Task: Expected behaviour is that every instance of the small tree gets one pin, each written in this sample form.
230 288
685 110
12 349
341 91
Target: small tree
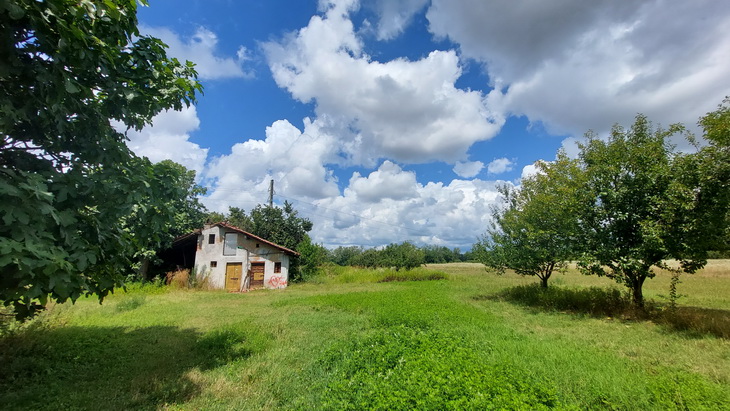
635 219
312 257
536 232
281 225
345 255
404 255
369 258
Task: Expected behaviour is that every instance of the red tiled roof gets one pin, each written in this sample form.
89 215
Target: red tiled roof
234 228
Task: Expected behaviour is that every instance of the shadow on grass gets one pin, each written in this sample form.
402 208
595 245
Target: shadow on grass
698 320
91 367
611 302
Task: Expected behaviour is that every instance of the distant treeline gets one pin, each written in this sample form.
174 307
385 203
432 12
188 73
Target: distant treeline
404 255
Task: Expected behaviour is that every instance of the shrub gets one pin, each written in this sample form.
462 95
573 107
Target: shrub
593 300
178 278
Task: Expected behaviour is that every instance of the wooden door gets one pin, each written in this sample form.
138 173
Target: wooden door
233 276
257 275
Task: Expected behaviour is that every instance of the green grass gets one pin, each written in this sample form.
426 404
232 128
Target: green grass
335 274
465 340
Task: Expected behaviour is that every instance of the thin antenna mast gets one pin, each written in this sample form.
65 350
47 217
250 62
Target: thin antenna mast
271 193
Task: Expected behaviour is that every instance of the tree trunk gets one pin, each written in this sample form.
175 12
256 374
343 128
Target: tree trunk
546 275
143 269
637 284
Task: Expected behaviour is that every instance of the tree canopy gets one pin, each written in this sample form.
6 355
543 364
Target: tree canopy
623 208
536 232
68 182
170 209
629 221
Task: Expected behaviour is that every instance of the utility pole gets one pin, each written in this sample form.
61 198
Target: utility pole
271 193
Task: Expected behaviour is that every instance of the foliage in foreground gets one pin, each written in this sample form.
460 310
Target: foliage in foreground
67 179
405 345
406 368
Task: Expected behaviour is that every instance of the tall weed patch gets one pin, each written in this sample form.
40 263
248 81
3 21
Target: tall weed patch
697 320
595 301
413 368
335 274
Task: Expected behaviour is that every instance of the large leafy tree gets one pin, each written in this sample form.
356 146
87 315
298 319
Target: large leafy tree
238 217
67 179
171 208
536 231
641 209
282 225
709 170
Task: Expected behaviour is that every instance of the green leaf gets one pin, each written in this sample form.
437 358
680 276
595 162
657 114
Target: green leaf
71 87
16 12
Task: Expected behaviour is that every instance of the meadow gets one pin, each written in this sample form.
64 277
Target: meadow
442 337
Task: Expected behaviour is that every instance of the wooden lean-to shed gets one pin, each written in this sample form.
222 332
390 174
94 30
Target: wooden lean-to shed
237 260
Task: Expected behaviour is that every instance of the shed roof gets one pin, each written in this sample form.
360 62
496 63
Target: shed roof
225 225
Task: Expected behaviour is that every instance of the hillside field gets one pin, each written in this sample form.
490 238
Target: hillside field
473 340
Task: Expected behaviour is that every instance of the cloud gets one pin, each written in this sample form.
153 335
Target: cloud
168 138
387 182
454 215
200 48
577 65
500 165
395 15
468 169
241 178
404 110
387 205
529 171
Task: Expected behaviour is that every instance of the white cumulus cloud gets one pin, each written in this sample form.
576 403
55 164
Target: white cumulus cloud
168 138
468 169
201 49
405 110
294 159
453 214
395 15
500 165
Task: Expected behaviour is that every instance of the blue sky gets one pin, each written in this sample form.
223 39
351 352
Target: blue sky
385 121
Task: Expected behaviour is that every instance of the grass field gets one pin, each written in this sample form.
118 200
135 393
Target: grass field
363 340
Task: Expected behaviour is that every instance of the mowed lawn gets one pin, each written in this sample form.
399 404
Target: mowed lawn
343 343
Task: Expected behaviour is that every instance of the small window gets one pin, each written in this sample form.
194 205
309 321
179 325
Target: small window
257 245
213 264
231 244
211 238
277 267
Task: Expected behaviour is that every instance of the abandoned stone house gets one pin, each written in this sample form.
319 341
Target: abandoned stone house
234 259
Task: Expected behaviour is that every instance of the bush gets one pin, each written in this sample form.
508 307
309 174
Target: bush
416 274
593 300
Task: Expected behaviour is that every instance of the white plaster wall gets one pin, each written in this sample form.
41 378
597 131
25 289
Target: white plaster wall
214 252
